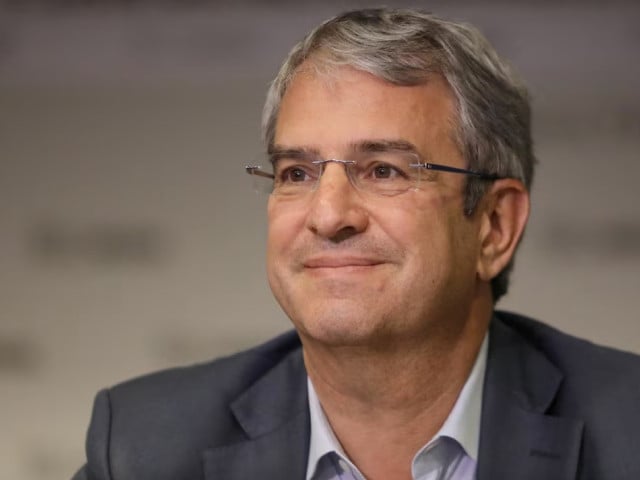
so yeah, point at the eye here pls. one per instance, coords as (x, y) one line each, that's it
(383, 170)
(378, 170)
(294, 174)
(291, 171)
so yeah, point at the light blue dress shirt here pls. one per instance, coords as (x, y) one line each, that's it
(450, 455)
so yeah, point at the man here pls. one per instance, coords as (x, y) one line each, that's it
(401, 163)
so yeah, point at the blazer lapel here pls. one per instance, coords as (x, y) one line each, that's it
(518, 439)
(274, 415)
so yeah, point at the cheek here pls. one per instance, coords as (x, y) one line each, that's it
(417, 222)
(427, 230)
(284, 225)
(280, 234)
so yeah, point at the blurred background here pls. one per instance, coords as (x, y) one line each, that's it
(131, 239)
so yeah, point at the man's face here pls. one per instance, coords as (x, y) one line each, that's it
(354, 268)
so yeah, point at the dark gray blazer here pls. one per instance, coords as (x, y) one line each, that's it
(554, 408)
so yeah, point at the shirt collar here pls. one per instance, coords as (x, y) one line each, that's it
(323, 440)
(462, 424)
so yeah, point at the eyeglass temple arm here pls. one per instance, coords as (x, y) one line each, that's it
(256, 170)
(447, 168)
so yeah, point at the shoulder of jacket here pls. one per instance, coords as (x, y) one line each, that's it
(157, 425)
(224, 375)
(592, 374)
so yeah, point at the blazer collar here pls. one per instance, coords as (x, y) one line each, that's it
(274, 415)
(518, 439)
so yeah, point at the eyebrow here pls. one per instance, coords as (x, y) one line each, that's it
(361, 146)
(383, 145)
(277, 151)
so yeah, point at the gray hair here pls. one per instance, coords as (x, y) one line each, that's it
(405, 47)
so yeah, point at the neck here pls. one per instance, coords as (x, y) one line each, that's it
(385, 402)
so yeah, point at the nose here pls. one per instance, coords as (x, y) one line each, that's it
(337, 211)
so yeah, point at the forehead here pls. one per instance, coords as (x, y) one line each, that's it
(332, 109)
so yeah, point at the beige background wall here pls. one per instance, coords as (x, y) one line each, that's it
(131, 239)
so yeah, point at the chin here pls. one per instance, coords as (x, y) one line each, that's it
(340, 329)
(340, 338)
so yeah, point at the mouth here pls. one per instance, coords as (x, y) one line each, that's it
(341, 263)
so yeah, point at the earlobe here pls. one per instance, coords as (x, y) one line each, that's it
(504, 216)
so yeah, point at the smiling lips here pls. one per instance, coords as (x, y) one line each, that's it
(340, 262)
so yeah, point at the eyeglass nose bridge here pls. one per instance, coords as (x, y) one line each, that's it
(346, 163)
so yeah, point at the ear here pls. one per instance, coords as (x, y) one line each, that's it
(504, 213)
